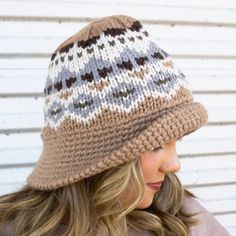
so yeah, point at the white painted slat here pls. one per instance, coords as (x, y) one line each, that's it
(28, 112)
(220, 206)
(219, 114)
(14, 175)
(215, 193)
(19, 141)
(209, 145)
(208, 170)
(199, 65)
(23, 81)
(42, 30)
(70, 9)
(22, 117)
(24, 64)
(21, 120)
(33, 80)
(21, 112)
(214, 82)
(21, 155)
(21, 105)
(26, 148)
(228, 221)
(209, 75)
(216, 176)
(216, 198)
(211, 176)
(173, 47)
(206, 64)
(232, 230)
(213, 100)
(198, 48)
(228, 4)
(183, 28)
(206, 194)
(36, 46)
(191, 33)
(47, 36)
(6, 188)
(211, 132)
(55, 30)
(210, 162)
(209, 140)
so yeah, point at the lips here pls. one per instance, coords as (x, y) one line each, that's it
(155, 186)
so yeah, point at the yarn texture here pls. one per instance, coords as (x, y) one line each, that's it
(111, 94)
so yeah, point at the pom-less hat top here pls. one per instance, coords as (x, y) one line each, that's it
(111, 94)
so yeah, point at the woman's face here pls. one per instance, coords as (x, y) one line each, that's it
(155, 165)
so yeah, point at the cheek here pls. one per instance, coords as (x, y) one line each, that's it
(150, 164)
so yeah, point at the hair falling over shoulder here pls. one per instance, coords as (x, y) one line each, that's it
(93, 207)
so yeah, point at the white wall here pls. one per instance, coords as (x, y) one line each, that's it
(199, 35)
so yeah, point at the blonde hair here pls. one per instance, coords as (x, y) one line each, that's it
(93, 206)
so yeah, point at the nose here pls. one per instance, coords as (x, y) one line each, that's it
(170, 163)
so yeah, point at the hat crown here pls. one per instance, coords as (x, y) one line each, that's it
(110, 95)
(111, 64)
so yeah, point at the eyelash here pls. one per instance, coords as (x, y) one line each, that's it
(159, 148)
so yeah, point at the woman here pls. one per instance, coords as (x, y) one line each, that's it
(115, 106)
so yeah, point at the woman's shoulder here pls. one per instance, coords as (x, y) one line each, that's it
(208, 224)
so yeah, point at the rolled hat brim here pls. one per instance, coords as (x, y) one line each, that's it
(56, 169)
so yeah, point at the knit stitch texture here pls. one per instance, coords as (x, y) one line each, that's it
(111, 94)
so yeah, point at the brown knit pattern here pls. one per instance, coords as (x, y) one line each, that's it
(111, 95)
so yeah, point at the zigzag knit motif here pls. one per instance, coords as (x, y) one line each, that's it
(116, 70)
(110, 95)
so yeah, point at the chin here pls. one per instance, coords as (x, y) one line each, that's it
(145, 203)
(147, 199)
(143, 206)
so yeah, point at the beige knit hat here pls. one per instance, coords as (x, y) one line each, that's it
(111, 94)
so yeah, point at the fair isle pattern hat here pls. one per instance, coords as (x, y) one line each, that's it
(111, 94)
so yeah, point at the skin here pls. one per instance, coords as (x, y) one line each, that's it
(155, 165)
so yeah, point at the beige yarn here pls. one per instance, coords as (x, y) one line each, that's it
(75, 147)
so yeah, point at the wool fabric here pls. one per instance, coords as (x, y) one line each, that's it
(111, 94)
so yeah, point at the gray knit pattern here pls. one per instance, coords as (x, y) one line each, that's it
(116, 63)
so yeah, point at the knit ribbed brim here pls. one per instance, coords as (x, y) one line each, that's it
(61, 164)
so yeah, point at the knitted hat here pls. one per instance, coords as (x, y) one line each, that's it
(111, 94)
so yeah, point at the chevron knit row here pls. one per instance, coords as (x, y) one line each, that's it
(94, 77)
(110, 95)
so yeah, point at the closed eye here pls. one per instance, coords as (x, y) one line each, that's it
(157, 149)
